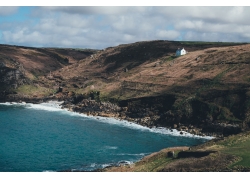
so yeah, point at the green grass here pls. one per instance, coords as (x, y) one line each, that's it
(239, 146)
(33, 90)
(170, 58)
(153, 165)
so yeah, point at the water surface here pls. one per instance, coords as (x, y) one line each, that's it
(42, 137)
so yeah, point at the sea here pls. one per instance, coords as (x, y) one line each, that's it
(44, 137)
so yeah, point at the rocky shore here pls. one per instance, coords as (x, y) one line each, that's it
(108, 109)
(150, 112)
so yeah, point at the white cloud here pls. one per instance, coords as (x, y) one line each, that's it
(167, 34)
(4, 11)
(100, 27)
(101, 10)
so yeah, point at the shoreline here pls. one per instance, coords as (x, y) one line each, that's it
(162, 130)
(142, 114)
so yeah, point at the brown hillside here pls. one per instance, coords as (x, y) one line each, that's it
(149, 68)
(40, 61)
(204, 88)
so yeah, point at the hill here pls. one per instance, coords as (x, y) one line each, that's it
(207, 88)
(227, 155)
(22, 66)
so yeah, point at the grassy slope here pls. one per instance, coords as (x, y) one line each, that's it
(230, 154)
(153, 70)
(37, 62)
(214, 76)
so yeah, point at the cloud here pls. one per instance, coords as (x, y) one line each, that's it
(95, 10)
(167, 34)
(4, 11)
(101, 27)
(214, 37)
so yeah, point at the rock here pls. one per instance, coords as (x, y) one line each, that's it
(170, 154)
(124, 109)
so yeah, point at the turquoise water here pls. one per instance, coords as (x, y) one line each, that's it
(35, 138)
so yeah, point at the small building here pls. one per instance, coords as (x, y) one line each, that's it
(180, 52)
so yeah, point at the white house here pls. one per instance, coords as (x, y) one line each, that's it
(180, 52)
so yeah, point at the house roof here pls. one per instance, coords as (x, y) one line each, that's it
(179, 49)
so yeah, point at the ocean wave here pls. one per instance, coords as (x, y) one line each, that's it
(110, 147)
(13, 104)
(125, 163)
(129, 154)
(48, 106)
(159, 130)
(48, 171)
(95, 166)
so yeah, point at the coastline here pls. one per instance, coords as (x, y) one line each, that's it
(147, 113)
(92, 108)
(55, 105)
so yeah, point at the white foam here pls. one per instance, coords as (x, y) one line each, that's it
(128, 154)
(48, 171)
(11, 103)
(93, 165)
(110, 147)
(125, 162)
(159, 130)
(48, 106)
(106, 165)
(175, 132)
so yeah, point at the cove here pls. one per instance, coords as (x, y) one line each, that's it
(43, 137)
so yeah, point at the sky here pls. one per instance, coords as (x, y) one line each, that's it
(102, 26)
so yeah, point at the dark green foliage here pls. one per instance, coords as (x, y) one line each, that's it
(95, 95)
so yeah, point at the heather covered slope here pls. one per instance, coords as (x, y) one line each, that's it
(20, 66)
(40, 61)
(149, 68)
(208, 86)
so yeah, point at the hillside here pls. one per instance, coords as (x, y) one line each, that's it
(23, 65)
(150, 68)
(208, 88)
(205, 92)
(226, 155)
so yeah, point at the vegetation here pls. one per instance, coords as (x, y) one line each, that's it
(32, 90)
(229, 154)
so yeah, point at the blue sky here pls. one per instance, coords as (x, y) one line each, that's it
(104, 26)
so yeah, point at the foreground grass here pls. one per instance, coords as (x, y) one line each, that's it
(230, 154)
(238, 145)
